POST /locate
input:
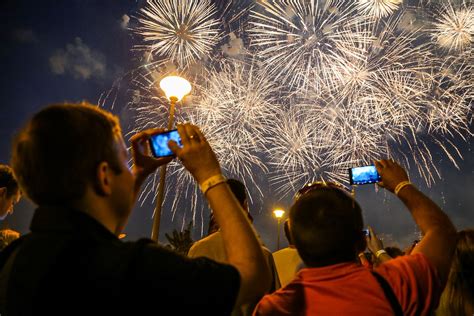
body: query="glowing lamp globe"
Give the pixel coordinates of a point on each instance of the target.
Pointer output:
(175, 87)
(278, 213)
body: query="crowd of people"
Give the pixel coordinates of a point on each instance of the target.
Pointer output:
(71, 161)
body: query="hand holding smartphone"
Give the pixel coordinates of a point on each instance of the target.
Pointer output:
(159, 143)
(364, 175)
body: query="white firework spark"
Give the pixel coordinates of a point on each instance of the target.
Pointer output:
(371, 108)
(232, 106)
(453, 28)
(291, 152)
(387, 55)
(181, 31)
(379, 8)
(294, 37)
(449, 103)
(331, 89)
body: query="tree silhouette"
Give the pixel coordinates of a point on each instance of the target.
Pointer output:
(180, 241)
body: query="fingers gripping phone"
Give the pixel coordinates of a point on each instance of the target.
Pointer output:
(159, 143)
(364, 175)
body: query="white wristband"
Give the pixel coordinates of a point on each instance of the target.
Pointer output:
(212, 182)
(380, 252)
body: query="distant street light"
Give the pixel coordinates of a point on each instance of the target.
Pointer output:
(278, 214)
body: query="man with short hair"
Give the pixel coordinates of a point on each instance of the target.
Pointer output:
(9, 192)
(327, 228)
(71, 160)
(212, 246)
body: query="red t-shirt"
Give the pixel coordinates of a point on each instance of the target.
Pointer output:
(349, 289)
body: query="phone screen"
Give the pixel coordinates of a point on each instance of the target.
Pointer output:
(159, 143)
(364, 175)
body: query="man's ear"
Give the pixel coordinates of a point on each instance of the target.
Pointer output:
(103, 181)
(3, 192)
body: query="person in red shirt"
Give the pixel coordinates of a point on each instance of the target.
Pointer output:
(327, 228)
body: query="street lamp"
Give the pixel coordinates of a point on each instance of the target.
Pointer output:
(175, 89)
(278, 214)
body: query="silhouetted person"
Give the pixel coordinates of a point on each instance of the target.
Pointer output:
(458, 296)
(326, 226)
(212, 246)
(71, 160)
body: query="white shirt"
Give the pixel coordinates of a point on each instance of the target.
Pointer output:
(288, 263)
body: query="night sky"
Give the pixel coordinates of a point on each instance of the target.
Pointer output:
(54, 51)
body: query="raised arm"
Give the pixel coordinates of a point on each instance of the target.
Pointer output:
(439, 241)
(375, 246)
(242, 246)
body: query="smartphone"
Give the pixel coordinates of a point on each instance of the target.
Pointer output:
(159, 143)
(364, 175)
(366, 232)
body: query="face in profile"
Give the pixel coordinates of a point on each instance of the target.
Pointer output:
(7, 203)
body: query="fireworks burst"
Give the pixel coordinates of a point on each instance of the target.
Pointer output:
(295, 37)
(333, 84)
(453, 28)
(450, 99)
(181, 31)
(233, 107)
(371, 108)
(379, 8)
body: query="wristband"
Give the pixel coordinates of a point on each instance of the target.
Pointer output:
(400, 186)
(212, 182)
(379, 253)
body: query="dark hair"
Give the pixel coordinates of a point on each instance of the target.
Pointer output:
(458, 295)
(239, 190)
(240, 193)
(394, 252)
(7, 180)
(57, 153)
(326, 227)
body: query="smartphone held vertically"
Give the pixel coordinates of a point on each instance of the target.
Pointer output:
(364, 175)
(366, 232)
(159, 143)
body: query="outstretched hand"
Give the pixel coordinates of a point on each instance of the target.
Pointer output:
(143, 163)
(373, 242)
(391, 173)
(196, 154)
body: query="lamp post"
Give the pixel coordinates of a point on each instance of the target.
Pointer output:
(175, 89)
(278, 214)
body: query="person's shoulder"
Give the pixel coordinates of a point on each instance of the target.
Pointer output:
(414, 280)
(213, 238)
(413, 262)
(285, 252)
(285, 301)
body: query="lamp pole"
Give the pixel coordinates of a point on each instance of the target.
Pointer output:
(161, 186)
(278, 236)
(278, 214)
